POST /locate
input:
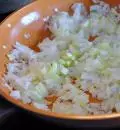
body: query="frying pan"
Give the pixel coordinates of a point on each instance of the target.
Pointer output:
(14, 28)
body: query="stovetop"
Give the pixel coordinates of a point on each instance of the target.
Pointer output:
(16, 119)
(22, 120)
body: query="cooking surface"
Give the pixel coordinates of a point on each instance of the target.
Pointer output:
(23, 120)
